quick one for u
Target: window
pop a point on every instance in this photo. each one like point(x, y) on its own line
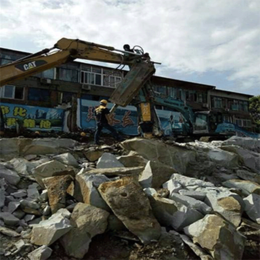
point(37, 94)
point(202, 97)
point(247, 123)
point(227, 118)
point(191, 96)
point(4, 59)
point(48, 74)
point(100, 77)
point(160, 90)
point(238, 122)
point(68, 75)
point(174, 92)
point(12, 92)
point(243, 106)
point(68, 72)
point(217, 102)
point(7, 57)
point(91, 78)
point(234, 105)
point(111, 80)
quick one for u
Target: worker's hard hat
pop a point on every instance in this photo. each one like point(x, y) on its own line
point(83, 134)
point(103, 102)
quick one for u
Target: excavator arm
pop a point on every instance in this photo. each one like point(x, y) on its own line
point(66, 50)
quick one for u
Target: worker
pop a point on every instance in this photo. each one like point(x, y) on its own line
point(101, 113)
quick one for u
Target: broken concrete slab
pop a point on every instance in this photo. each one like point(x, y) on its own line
point(252, 207)
point(93, 154)
point(13, 205)
point(252, 144)
point(50, 230)
point(170, 213)
point(66, 158)
point(46, 145)
point(89, 189)
point(9, 148)
point(41, 253)
point(180, 158)
point(9, 175)
point(49, 169)
point(190, 183)
point(108, 160)
point(228, 204)
point(247, 187)
point(248, 158)
point(2, 197)
point(87, 221)
point(223, 158)
point(57, 191)
point(132, 159)
point(111, 172)
point(155, 174)
point(196, 249)
point(218, 236)
point(8, 232)
point(191, 203)
point(9, 219)
point(198, 195)
point(172, 186)
point(129, 203)
point(247, 175)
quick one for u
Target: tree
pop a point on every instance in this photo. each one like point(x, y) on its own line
point(254, 109)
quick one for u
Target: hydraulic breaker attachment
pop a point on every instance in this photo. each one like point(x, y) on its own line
point(135, 79)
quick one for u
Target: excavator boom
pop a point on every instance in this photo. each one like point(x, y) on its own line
point(64, 50)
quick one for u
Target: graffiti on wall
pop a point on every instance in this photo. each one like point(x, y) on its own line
point(124, 119)
point(32, 117)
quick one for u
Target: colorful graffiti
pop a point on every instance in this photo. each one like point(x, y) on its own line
point(33, 118)
point(125, 120)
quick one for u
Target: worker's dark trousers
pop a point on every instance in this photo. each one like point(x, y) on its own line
point(108, 127)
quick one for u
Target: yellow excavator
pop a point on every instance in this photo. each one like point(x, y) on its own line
point(141, 69)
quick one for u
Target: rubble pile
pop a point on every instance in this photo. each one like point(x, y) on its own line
point(140, 199)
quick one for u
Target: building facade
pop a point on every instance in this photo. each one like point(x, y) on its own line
point(77, 80)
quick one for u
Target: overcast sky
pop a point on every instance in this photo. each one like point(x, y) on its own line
point(214, 42)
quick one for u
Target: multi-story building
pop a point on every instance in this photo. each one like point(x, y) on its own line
point(78, 80)
point(233, 106)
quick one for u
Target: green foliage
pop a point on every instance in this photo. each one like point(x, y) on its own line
point(254, 109)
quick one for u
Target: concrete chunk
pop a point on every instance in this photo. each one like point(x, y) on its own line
point(41, 253)
point(108, 160)
point(129, 203)
point(50, 230)
point(89, 189)
point(88, 221)
point(172, 214)
point(252, 207)
point(218, 237)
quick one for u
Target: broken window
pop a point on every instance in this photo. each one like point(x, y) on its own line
point(12, 92)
